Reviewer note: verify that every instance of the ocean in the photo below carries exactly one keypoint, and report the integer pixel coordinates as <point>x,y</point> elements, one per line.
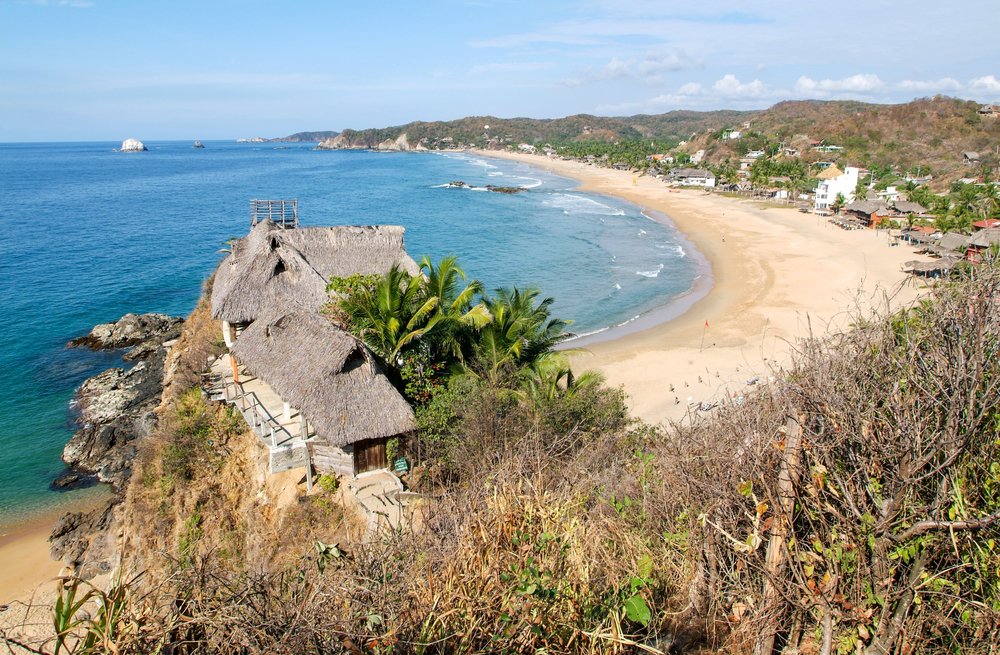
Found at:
<point>92,234</point>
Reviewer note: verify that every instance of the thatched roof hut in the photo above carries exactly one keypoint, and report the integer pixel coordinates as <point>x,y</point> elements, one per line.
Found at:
<point>329,375</point>
<point>273,270</point>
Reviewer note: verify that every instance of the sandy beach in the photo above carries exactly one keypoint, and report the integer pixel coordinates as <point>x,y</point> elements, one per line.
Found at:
<point>778,274</point>
<point>25,561</point>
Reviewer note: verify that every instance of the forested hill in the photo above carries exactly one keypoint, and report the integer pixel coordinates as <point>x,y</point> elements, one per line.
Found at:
<point>931,133</point>
<point>581,127</point>
<point>307,137</point>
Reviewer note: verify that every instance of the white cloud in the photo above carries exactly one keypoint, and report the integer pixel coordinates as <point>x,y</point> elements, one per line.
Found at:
<point>987,84</point>
<point>944,84</point>
<point>615,70</point>
<point>690,89</point>
<point>730,87</point>
<point>647,70</point>
<point>510,67</point>
<point>860,83</point>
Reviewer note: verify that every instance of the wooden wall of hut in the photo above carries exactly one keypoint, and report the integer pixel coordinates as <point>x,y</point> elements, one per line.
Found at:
<point>332,459</point>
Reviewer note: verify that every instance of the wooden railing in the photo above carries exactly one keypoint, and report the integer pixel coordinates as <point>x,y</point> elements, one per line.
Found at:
<point>284,213</point>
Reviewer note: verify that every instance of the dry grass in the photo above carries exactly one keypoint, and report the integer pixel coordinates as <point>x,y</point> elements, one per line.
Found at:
<point>853,505</point>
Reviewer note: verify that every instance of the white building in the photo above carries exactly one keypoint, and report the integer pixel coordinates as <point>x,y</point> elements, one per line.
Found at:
<point>833,181</point>
<point>698,156</point>
<point>692,177</point>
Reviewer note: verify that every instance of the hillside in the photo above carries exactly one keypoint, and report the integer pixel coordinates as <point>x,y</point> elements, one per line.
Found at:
<point>927,134</point>
<point>306,136</point>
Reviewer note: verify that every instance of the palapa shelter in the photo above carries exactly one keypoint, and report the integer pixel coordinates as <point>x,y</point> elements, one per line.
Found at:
<point>273,270</point>
<point>334,381</point>
<point>269,292</point>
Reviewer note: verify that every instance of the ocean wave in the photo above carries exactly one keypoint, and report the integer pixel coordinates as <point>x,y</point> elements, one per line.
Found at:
<point>659,268</point>
<point>494,174</point>
<point>530,186</point>
<point>618,286</point>
<point>641,231</point>
<point>579,204</point>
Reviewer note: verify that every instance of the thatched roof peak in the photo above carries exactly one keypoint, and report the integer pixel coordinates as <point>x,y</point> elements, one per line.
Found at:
<point>329,375</point>
<point>274,270</point>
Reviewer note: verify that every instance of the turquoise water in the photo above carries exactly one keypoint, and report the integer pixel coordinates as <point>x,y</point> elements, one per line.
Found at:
<point>89,235</point>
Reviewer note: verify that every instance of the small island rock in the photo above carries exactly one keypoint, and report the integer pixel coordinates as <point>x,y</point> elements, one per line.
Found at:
<point>133,145</point>
<point>198,144</point>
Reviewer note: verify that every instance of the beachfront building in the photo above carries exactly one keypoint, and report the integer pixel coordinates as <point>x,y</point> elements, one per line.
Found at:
<point>691,177</point>
<point>314,394</point>
<point>980,242</point>
<point>833,181</point>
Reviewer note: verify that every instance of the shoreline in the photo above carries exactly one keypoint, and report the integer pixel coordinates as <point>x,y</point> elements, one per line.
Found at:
<point>778,275</point>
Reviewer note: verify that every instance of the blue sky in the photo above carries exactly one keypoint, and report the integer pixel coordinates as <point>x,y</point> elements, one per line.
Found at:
<point>218,69</point>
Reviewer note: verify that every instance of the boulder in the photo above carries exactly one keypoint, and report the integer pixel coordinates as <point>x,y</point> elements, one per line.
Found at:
<point>133,145</point>
<point>198,144</point>
<point>131,330</point>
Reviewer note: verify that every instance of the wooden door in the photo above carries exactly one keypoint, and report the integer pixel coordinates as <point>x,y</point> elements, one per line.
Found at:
<point>369,455</point>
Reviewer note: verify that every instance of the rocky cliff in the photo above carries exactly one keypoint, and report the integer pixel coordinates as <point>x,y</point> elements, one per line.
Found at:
<point>116,406</point>
<point>343,142</point>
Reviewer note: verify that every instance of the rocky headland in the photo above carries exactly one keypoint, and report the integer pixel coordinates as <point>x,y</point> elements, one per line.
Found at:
<point>133,145</point>
<point>343,142</point>
<point>116,406</point>
<point>116,411</point>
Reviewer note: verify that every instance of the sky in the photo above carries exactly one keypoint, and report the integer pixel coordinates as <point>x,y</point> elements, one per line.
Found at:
<point>102,70</point>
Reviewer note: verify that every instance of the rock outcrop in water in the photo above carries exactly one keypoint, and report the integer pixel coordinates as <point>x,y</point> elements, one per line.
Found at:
<point>143,333</point>
<point>198,144</point>
<point>116,406</point>
<point>133,145</point>
<point>116,410</point>
<point>489,187</point>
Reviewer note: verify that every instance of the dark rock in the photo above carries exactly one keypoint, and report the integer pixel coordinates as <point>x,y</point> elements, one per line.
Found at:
<point>505,189</point>
<point>131,330</point>
<point>116,409</point>
<point>68,479</point>
<point>198,144</point>
<point>87,541</point>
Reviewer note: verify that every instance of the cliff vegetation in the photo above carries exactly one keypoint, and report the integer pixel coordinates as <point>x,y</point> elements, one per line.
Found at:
<point>853,505</point>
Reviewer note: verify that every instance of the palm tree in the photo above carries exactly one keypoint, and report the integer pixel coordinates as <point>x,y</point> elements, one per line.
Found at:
<point>520,337</point>
<point>838,203</point>
<point>393,314</point>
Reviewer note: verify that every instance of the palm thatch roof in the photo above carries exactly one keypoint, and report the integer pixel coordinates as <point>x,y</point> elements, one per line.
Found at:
<point>953,241</point>
<point>330,376</point>
<point>830,173</point>
<point>909,207</point>
<point>273,270</point>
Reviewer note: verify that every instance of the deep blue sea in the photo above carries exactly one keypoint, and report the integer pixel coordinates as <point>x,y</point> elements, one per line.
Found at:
<point>89,234</point>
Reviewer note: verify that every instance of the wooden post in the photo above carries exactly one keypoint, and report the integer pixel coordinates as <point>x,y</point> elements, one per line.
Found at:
<point>309,473</point>
<point>274,441</point>
<point>774,563</point>
<point>303,426</point>
<point>236,368</point>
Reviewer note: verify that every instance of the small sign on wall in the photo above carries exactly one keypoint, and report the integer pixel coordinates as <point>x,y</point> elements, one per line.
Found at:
<point>402,466</point>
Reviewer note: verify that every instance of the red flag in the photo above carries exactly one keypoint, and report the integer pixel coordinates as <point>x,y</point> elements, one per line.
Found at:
<point>706,322</point>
